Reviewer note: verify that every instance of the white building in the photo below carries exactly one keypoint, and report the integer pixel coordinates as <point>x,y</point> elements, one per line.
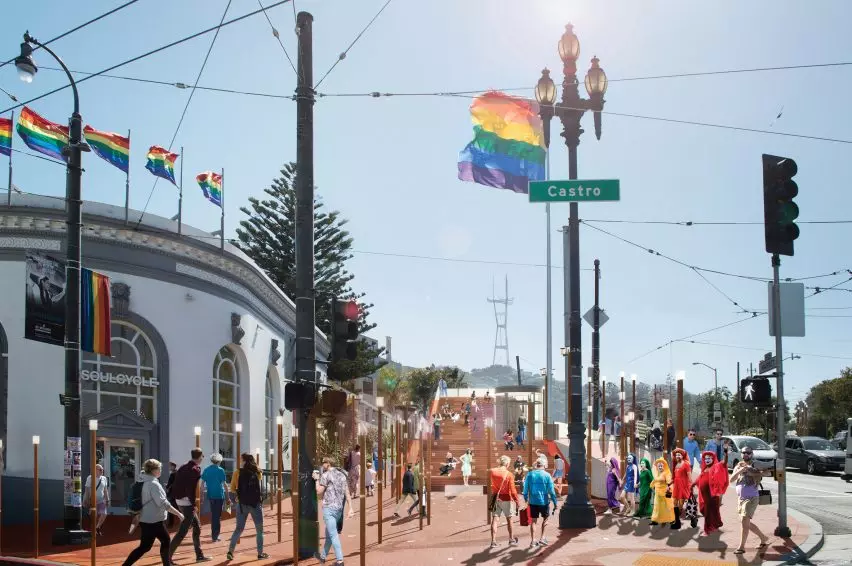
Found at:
<point>198,324</point>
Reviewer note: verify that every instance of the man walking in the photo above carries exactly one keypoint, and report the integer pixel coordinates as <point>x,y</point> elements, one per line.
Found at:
<point>409,489</point>
<point>332,489</point>
<point>747,477</point>
<point>216,485</point>
<point>539,493</point>
<point>692,450</point>
<point>101,496</point>
<point>183,490</point>
<point>504,497</point>
<point>354,469</point>
<point>418,486</point>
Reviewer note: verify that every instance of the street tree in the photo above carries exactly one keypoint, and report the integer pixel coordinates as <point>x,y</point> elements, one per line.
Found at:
<point>268,236</point>
<point>421,383</point>
<point>830,404</point>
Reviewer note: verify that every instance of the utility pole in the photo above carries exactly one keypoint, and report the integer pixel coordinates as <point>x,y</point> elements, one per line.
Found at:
<point>782,530</point>
<point>518,365</point>
<point>596,340</point>
<point>305,304</point>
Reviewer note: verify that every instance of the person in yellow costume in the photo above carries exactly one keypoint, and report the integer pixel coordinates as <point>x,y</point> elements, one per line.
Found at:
<point>663,506</point>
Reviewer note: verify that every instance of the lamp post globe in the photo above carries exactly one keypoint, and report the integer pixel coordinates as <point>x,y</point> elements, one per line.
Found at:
<point>596,81</point>
<point>545,90</point>
<point>569,45</point>
<point>25,64</point>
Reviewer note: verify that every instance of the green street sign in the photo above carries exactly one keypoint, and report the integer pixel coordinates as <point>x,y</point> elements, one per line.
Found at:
<point>574,190</point>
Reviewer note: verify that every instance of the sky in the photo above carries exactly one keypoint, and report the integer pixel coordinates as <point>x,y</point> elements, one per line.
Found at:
<point>389,164</point>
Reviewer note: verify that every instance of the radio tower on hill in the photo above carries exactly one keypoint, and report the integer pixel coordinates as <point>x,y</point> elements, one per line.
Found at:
<point>501,315</point>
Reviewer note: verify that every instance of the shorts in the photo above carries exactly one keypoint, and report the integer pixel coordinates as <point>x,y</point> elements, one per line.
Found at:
<point>504,508</point>
<point>537,511</point>
<point>558,474</point>
<point>747,507</point>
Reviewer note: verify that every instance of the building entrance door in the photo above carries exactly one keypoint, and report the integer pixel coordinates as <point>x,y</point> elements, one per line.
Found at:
<point>121,461</point>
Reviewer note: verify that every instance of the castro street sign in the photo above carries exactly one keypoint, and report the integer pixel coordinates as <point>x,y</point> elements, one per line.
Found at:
<point>118,378</point>
<point>575,190</point>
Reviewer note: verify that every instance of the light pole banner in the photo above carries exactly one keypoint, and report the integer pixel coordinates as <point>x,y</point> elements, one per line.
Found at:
<point>44,319</point>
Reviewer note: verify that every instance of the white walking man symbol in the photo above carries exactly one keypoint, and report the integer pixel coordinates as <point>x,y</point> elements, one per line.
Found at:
<point>749,392</point>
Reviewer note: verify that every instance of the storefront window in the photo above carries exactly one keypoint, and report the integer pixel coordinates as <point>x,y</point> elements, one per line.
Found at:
<point>226,410</point>
<point>127,379</point>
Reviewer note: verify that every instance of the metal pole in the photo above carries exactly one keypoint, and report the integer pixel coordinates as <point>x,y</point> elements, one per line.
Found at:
<point>222,219</point>
<point>280,462</point>
<point>93,488</point>
<point>716,381</point>
<point>546,116</point>
<point>127,187</point>
<point>589,409</point>
<point>679,439</point>
<point>35,496</point>
<point>362,496</point>
<point>397,449</point>
<point>305,307</point>
<point>429,481</point>
<point>294,490</point>
<point>180,195</point>
<point>621,443</point>
<point>9,195</point>
<point>782,530</point>
<point>566,300</point>
<point>198,484</point>
<point>596,343</point>
<point>420,491</point>
<point>379,472</point>
<point>531,428</point>
<point>633,421</point>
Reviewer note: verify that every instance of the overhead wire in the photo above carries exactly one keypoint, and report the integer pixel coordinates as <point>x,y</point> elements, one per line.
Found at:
<point>147,54</point>
<point>342,56</point>
<point>277,36</point>
<point>690,223</point>
<point>188,102</point>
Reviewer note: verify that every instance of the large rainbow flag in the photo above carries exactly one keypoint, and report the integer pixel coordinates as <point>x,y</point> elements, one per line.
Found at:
<point>5,136</point>
<point>161,162</point>
<point>211,186</point>
<point>508,149</point>
<point>109,147</point>
<point>95,335</point>
<point>42,135</point>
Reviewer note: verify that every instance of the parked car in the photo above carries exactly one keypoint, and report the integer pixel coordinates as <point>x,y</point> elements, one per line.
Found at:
<point>813,454</point>
<point>764,456</point>
<point>847,472</point>
<point>841,438</point>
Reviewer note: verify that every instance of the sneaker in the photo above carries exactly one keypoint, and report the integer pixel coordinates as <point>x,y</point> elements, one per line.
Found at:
<point>203,559</point>
<point>230,555</point>
<point>533,544</point>
<point>513,542</point>
<point>396,515</point>
<point>262,556</point>
<point>319,558</point>
<point>493,544</point>
<point>543,542</point>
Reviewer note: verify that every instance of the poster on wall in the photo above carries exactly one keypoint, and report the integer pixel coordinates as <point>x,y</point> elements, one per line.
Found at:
<point>45,299</point>
<point>73,473</point>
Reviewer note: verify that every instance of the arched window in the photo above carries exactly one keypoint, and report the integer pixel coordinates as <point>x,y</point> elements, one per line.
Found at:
<point>128,379</point>
<point>269,412</point>
<point>226,408</point>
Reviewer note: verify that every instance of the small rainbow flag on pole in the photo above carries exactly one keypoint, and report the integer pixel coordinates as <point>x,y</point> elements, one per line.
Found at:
<point>211,186</point>
<point>5,136</point>
<point>161,162</point>
<point>109,147</point>
<point>95,334</point>
<point>42,135</point>
<point>507,151</point>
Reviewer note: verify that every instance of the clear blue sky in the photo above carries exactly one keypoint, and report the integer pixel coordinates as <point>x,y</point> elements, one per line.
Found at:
<point>390,164</point>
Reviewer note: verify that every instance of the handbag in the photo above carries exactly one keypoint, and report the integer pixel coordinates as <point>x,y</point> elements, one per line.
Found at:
<point>690,507</point>
<point>524,516</point>
<point>764,496</point>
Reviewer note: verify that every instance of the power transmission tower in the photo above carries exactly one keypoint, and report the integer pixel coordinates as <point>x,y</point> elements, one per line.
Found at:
<point>501,315</point>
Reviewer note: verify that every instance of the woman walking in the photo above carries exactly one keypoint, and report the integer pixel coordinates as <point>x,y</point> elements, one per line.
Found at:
<point>662,513</point>
<point>631,484</point>
<point>466,461</point>
<point>645,492</point>
<point>682,484</point>
<point>712,483</point>
<point>246,484</point>
<point>155,508</point>
<point>613,483</point>
<point>558,472</point>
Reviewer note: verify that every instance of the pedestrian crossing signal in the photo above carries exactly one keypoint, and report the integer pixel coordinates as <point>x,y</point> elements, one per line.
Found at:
<point>755,391</point>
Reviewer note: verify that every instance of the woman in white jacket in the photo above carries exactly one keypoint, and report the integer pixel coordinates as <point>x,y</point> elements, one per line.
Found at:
<point>155,509</point>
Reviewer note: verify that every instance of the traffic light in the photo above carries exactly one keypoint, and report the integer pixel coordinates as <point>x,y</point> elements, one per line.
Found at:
<point>299,396</point>
<point>779,210</point>
<point>756,391</point>
<point>344,333</point>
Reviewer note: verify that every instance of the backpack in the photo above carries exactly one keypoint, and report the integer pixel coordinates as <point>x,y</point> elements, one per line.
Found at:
<point>134,502</point>
<point>248,489</point>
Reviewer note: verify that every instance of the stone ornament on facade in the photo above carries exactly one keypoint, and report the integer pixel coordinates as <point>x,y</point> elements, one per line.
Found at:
<point>274,353</point>
<point>120,293</point>
<point>237,332</point>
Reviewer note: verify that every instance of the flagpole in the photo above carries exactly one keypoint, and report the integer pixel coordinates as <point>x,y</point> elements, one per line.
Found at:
<point>222,203</point>
<point>180,194</point>
<point>127,186</point>
<point>9,196</point>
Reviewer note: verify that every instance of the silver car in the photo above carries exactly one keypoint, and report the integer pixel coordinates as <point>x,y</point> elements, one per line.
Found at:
<point>763,458</point>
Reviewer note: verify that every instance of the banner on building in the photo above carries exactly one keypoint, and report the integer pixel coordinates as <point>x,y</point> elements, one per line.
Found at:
<point>44,318</point>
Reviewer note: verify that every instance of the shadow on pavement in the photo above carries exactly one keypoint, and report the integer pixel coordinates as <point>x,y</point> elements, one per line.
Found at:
<point>565,536</point>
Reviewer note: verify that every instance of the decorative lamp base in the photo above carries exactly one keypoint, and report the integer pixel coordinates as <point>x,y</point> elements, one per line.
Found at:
<point>577,517</point>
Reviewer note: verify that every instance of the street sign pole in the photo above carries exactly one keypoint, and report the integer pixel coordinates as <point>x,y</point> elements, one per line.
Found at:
<point>782,530</point>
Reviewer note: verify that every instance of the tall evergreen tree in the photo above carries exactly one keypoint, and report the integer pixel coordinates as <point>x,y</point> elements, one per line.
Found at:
<point>268,236</point>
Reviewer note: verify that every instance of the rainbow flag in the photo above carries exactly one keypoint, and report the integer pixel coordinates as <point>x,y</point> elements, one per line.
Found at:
<point>5,136</point>
<point>161,162</point>
<point>42,135</point>
<point>109,147</point>
<point>95,335</point>
<point>211,186</point>
<point>507,151</point>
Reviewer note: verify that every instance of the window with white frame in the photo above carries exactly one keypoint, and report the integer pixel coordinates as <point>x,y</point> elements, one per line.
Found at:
<point>226,407</point>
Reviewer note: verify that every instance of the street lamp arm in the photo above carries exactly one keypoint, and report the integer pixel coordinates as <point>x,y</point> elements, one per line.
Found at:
<point>30,39</point>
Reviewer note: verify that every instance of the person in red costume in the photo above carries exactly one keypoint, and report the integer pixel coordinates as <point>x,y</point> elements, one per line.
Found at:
<point>712,483</point>
<point>681,483</point>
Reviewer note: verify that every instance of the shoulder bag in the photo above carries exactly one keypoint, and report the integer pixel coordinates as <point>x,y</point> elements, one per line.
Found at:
<point>764,496</point>
<point>492,505</point>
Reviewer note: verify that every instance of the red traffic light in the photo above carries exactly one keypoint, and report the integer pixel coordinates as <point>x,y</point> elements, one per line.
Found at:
<point>351,310</point>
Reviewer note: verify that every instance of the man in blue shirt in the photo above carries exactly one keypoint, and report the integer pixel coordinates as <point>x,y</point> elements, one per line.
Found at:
<point>692,449</point>
<point>716,445</point>
<point>216,485</point>
<point>539,492</point>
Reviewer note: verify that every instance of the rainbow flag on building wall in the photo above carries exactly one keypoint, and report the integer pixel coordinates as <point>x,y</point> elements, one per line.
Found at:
<point>507,151</point>
<point>211,186</point>
<point>161,162</point>
<point>42,135</point>
<point>5,136</point>
<point>109,146</point>
<point>95,335</point>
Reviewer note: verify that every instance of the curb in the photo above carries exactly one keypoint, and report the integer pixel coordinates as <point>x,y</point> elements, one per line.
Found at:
<point>812,544</point>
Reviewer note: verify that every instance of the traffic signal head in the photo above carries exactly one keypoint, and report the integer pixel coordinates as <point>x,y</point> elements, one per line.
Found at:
<point>779,210</point>
<point>299,396</point>
<point>755,391</point>
<point>344,330</point>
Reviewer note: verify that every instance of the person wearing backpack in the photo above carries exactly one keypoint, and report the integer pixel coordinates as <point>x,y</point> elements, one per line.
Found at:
<point>101,496</point>
<point>148,499</point>
<point>183,490</point>
<point>246,484</point>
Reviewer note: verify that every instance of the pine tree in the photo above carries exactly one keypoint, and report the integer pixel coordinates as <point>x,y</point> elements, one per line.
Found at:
<point>268,237</point>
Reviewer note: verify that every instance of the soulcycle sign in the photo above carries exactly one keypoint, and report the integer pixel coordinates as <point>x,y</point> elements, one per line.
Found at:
<point>118,378</point>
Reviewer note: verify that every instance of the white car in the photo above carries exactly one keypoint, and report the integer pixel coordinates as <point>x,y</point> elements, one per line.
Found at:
<point>763,458</point>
